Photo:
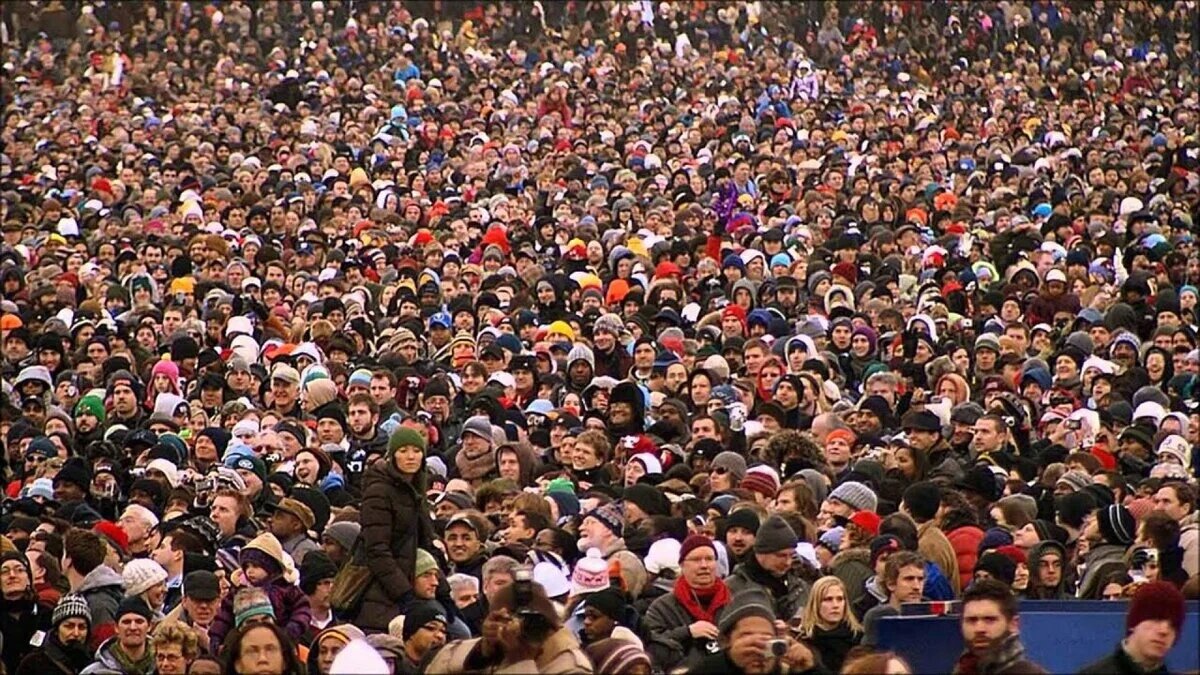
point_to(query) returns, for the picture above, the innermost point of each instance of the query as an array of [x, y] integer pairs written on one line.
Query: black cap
[[201, 585], [921, 420]]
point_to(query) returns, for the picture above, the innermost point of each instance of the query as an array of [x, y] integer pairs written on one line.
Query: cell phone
[[1074, 425]]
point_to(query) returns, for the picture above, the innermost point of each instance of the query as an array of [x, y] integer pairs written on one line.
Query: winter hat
[[1000, 566], [344, 533], [72, 606], [1073, 508], [91, 405], [749, 602], [251, 602], [1117, 525], [832, 538], [867, 520], [884, 543], [744, 518], [420, 615], [425, 563], [140, 575], [855, 495], [1154, 601], [264, 551], [923, 500], [1076, 480], [610, 602], [617, 656], [133, 605], [649, 499], [359, 657], [405, 437], [610, 515], [663, 555], [591, 574], [761, 479], [552, 578], [994, 538], [775, 535], [732, 463], [1023, 503], [649, 462], [316, 567], [693, 542]]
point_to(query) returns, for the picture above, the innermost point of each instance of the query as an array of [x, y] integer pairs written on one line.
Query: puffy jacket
[[19, 620], [1101, 560], [853, 567], [103, 589], [965, 542], [560, 654], [289, 603]]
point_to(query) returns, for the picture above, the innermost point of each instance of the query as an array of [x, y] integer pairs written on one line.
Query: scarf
[[475, 468], [142, 666], [702, 604]]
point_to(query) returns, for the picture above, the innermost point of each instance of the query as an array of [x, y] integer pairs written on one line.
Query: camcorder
[[533, 624]]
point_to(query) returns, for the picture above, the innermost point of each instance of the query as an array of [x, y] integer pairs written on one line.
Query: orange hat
[[617, 290]]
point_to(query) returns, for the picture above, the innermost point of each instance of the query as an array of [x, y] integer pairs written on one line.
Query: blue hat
[[1041, 210], [664, 359], [733, 260], [440, 320]]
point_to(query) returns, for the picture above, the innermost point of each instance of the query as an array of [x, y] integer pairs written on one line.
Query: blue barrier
[[1059, 641]]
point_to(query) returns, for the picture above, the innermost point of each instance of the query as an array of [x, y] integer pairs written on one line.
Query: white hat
[[140, 575], [168, 469], [1152, 410], [506, 380], [1056, 275], [552, 579], [663, 555]]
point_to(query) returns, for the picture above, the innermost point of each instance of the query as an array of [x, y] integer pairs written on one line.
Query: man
[[21, 615], [426, 576], [316, 580], [990, 632], [904, 581], [65, 649], [740, 529], [603, 611], [139, 523], [200, 604], [838, 446], [1178, 500], [921, 502], [464, 547], [130, 650], [290, 523], [424, 631], [285, 392], [747, 629], [990, 436], [770, 570], [523, 526], [1152, 625], [88, 576], [602, 528]]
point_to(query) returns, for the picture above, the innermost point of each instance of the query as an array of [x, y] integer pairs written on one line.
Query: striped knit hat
[[1117, 525], [72, 606]]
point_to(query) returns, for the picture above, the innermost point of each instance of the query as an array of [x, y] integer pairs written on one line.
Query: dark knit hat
[[693, 542], [420, 615], [1000, 566], [995, 537], [744, 518], [316, 567], [610, 602], [1117, 525], [749, 602], [76, 472], [649, 499], [884, 543], [1156, 601], [775, 535], [609, 514], [923, 499], [1073, 508], [617, 656], [72, 606], [134, 605]]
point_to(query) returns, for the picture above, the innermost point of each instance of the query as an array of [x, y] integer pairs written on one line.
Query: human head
[[989, 614]]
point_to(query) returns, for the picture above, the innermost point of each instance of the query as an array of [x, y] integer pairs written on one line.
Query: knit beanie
[[344, 533], [855, 495], [744, 518], [91, 405], [1000, 566], [868, 521], [404, 437], [591, 574], [610, 602], [1024, 503], [1076, 480], [610, 515], [425, 563], [923, 500], [1153, 601], [994, 538], [663, 555], [1117, 525], [884, 543], [749, 602], [142, 574], [133, 605], [420, 615], [648, 498], [693, 542], [251, 602], [617, 656], [1073, 508], [72, 606], [761, 479], [316, 567], [775, 535], [731, 462]]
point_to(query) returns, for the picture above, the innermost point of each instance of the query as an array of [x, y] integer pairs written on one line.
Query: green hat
[[560, 485], [425, 562], [403, 437], [90, 405]]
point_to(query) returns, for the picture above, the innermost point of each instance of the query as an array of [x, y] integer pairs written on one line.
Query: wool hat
[[425, 563], [343, 633], [609, 514], [405, 437], [750, 602], [617, 656], [1073, 508], [590, 574], [884, 543], [1000, 566], [744, 518], [316, 567], [775, 535], [1024, 503], [761, 479], [1117, 525], [420, 615], [344, 533], [1076, 480], [994, 538], [478, 425], [91, 405], [693, 542], [72, 606], [552, 578], [663, 555], [1153, 601], [855, 495], [732, 463], [133, 605], [142, 574], [923, 500], [648, 498], [250, 602], [867, 520]]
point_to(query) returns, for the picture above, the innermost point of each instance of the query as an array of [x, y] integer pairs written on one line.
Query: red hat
[[102, 184], [867, 520], [112, 532], [1156, 601], [847, 271], [736, 311], [666, 269], [761, 482], [693, 542], [1012, 553], [841, 433]]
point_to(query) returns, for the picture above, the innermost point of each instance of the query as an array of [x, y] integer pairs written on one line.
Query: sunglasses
[[720, 471]]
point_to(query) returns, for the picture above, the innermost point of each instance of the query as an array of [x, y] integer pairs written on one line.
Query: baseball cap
[[201, 585]]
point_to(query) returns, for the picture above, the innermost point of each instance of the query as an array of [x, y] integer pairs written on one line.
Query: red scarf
[[694, 601]]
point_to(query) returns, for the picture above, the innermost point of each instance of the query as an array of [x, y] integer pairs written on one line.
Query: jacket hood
[[101, 577]]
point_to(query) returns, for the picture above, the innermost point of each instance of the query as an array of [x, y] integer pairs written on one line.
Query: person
[[990, 626], [21, 613], [65, 649], [130, 650], [97, 583], [770, 569], [748, 636], [680, 628], [532, 641], [1153, 624], [146, 579], [261, 648], [827, 625], [602, 528], [327, 644], [175, 648], [424, 633], [265, 567], [200, 604], [878, 663], [395, 524], [903, 580]]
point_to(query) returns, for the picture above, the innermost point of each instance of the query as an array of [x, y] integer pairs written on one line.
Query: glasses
[[720, 471], [15, 570]]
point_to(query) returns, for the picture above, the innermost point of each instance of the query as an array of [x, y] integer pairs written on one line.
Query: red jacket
[[965, 541]]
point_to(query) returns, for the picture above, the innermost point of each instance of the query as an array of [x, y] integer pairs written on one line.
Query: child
[[265, 566]]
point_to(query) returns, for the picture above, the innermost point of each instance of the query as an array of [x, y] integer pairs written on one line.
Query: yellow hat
[[185, 285], [359, 177], [561, 328], [638, 247]]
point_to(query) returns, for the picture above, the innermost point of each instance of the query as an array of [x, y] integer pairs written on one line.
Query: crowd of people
[[592, 336]]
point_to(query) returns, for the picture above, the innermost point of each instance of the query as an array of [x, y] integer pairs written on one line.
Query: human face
[[833, 606], [777, 562], [837, 451], [327, 651], [408, 459], [984, 625], [720, 479], [132, 630], [1150, 640], [739, 540], [987, 437], [700, 567], [909, 584], [14, 579], [509, 465], [260, 653], [1167, 499], [596, 625], [1026, 537], [705, 428], [465, 596], [585, 457], [748, 642], [462, 543], [201, 612], [72, 631], [1050, 570], [430, 636]]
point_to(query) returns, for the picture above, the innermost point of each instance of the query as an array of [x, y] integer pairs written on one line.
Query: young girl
[[264, 565]]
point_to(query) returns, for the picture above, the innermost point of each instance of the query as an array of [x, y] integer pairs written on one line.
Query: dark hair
[[1184, 492], [1162, 531], [364, 399], [85, 550], [903, 528], [233, 645], [990, 589], [534, 520], [898, 561]]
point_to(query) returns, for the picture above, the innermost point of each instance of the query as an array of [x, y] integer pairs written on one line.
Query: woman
[[261, 649], [827, 626], [147, 580], [680, 628], [395, 523]]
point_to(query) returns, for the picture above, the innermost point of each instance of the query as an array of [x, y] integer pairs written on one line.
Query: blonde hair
[[812, 609], [174, 632]]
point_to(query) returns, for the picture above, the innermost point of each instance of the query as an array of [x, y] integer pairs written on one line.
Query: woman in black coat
[[829, 627], [395, 523]]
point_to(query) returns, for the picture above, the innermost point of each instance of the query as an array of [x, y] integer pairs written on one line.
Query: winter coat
[[831, 646], [853, 567], [289, 603], [19, 620], [103, 589], [936, 547], [1037, 592], [299, 546], [106, 662], [668, 640], [1008, 657], [788, 593], [561, 654], [965, 542], [1189, 541], [633, 571], [53, 659], [395, 523], [1101, 561], [1120, 663]]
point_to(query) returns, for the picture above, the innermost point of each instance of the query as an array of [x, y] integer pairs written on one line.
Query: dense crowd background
[[622, 337]]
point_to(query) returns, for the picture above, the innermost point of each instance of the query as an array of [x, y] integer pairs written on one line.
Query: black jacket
[[1120, 663], [19, 620]]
